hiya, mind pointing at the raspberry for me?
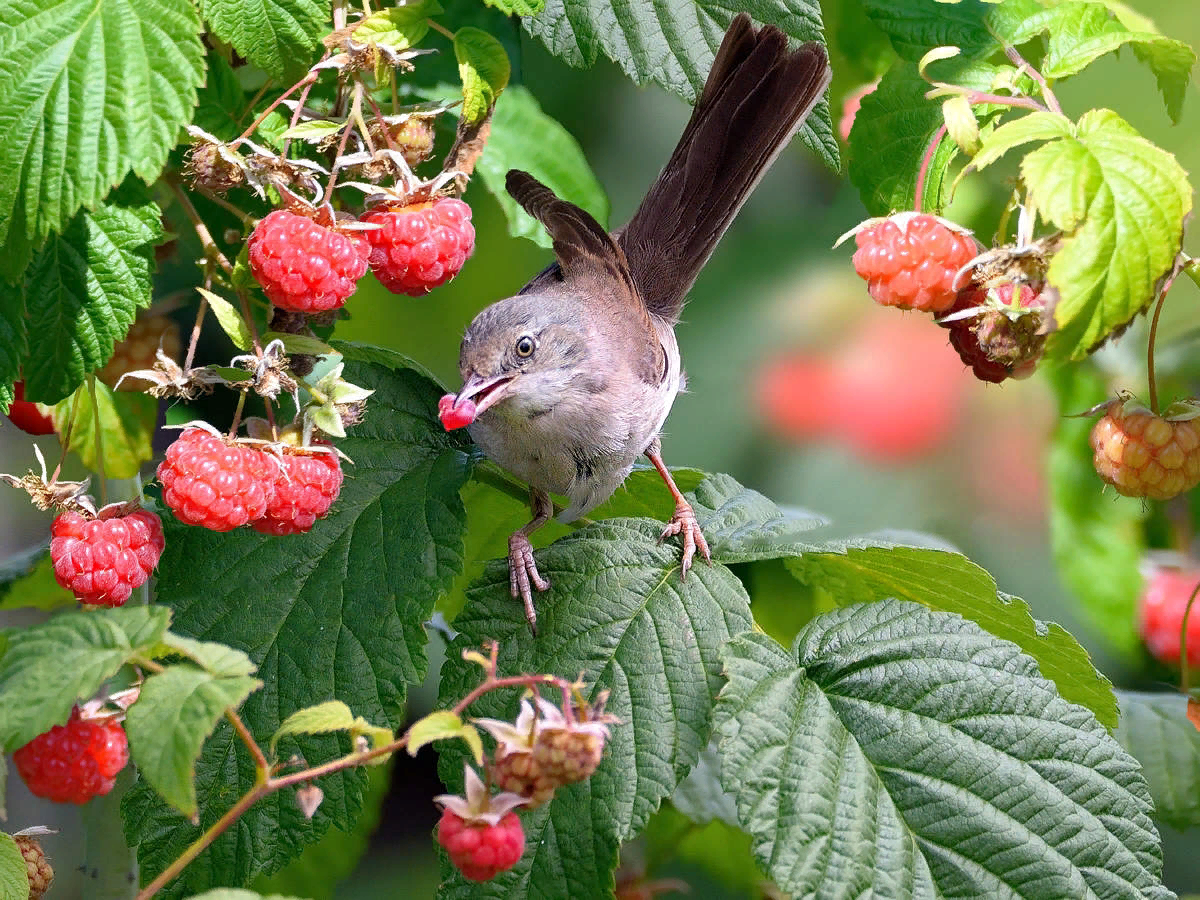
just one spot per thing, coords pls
(1145, 455)
(75, 762)
(37, 867)
(139, 350)
(910, 260)
(214, 483)
(455, 418)
(567, 755)
(480, 850)
(521, 774)
(1160, 614)
(304, 266)
(29, 417)
(305, 488)
(420, 247)
(999, 343)
(103, 559)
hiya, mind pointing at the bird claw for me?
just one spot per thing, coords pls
(684, 523)
(522, 573)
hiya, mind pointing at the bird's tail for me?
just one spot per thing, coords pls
(757, 95)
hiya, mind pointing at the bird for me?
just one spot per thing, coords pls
(569, 382)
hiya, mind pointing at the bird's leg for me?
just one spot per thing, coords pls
(683, 522)
(522, 570)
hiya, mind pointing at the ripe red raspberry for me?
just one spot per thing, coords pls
(480, 850)
(910, 260)
(999, 343)
(1160, 613)
(420, 247)
(139, 350)
(1144, 455)
(304, 266)
(37, 867)
(29, 417)
(75, 762)
(102, 560)
(215, 483)
(307, 485)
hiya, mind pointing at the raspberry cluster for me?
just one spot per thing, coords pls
(304, 266)
(1146, 455)
(75, 762)
(910, 260)
(102, 560)
(417, 248)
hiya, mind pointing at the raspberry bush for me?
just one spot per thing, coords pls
(273, 526)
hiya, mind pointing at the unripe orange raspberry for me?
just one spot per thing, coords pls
(521, 774)
(139, 350)
(37, 867)
(567, 755)
(1145, 455)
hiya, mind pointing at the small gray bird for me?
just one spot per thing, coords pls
(570, 381)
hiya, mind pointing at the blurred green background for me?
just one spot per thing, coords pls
(775, 316)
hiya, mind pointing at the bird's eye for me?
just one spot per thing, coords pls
(524, 346)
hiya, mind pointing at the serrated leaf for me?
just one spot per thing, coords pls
(27, 580)
(484, 69)
(673, 44)
(222, 102)
(125, 420)
(299, 343)
(1036, 126)
(619, 613)
(440, 725)
(84, 288)
(337, 612)
(281, 37)
(701, 796)
(14, 881)
(517, 7)
(1123, 202)
(399, 27)
(860, 752)
(526, 138)
(14, 344)
(216, 659)
(175, 712)
(48, 667)
(1156, 730)
(230, 319)
(322, 718)
(92, 92)
(916, 26)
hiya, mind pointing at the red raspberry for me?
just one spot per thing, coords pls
(304, 266)
(75, 762)
(479, 850)
(453, 417)
(420, 247)
(37, 867)
(305, 488)
(103, 559)
(1160, 614)
(910, 260)
(215, 483)
(27, 416)
(139, 350)
(1144, 455)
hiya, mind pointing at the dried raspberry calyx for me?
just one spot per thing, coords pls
(303, 265)
(1142, 454)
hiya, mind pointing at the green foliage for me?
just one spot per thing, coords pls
(439, 726)
(399, 27)
(484, 69)
(27, 579)
(328, 717)
(125, 420)
(91, 93)
(518, 7)
(279, 36)
(67, 659)
(878, 725)
(14, 882)
(1155, 729)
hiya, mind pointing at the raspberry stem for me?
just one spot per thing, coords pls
(930, 150)
(306, 80)
(353, 118)
(99, 440)
(440, 29)
(1179, 266)
(1183, 637)
(1024, 66)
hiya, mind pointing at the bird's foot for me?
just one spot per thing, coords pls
(684, 524)
(523, 575)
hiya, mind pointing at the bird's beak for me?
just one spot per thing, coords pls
(484, 392)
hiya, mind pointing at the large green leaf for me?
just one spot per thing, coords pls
(338, 612)
(125, 420)
(48, 667)
(484, 69)
(618, 613)
(1155, 728)
(524, 137)
(27, 579)
(915, 755)
(279, 36)
(14, 881)
(673, 44)
(89, 92)
(14, 343)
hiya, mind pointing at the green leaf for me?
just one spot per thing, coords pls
(673, 44)
(916, 26)
(1036, 126)
(619, 613)
(239, 894)
(701, 797)
(281, 37)
(524, 137)
(314, 131)
(91, 92)
(338, 612)
(14, 342)
(881, 744)
(1156, 730)
(84, 288)
(890, 138)
(1122, 201)
(126, 423)
(323, 718)
(1096, 535)
(517, 7)
(216, 659)
(175, 712)
(299, 343)
(440, 725)
(229, 319)
(48, 667)
(27, 580)
(222, 102)
(400, 27)
(715, 848)
(484, 69)
(14, 881)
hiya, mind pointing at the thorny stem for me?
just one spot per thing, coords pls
(307, 79)
(1024, 66)
(91, 384)
(1183, 636)
(211, 250)
(930, 150)
(355, 115)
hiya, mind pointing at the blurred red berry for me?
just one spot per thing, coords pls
(75, 762)
(1160, 614)
(850, 107)
(29, 417)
